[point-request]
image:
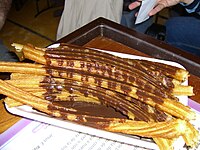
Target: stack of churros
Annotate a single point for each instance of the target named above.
(70, 82)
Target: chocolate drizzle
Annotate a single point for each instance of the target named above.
(109, 99)
(86, 108)
(121, 84)
(96, 63)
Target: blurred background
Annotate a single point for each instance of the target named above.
(32, 21)
(36, 22)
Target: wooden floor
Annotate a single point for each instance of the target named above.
(23, 26)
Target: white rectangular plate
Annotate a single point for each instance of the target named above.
(28, 112)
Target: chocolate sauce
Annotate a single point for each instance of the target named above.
(106, 71)
(145, 97)
(92, 68)
(90, 55)
(116, 100)
(86, 108)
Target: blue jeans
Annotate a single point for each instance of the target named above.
(128, 20)
(184, 33)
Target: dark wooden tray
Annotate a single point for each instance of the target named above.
(141, 42)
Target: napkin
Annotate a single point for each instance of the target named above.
(145, 8)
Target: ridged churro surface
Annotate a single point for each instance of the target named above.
(104, 91)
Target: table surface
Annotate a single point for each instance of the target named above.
(7, 119)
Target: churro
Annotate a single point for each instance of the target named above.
(65, 79)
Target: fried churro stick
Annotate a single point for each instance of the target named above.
(191, 133)
(164, 144)
(172, 71)
(28, 48)
(34, 101)
(30, 52)
(64, 96)
(19, 67)
(176, 127)
(167, 105)
(11, 102)
(142, 68)
(100, 65)
(79, 52)
(89, 55)
(162, 132)
(58, 91)
(60, 95)
(183, 74)
(183, 90)
(111, 98)
(174, 108)
(27, 79)
(170, 106)
(172, 129)
(21, 76)
(135, 80)
(22, 96)
(155, 128)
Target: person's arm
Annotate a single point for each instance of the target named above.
(160, 5)
(4, 8)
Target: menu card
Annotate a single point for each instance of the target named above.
(33, 135)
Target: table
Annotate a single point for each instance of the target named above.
(104, 34)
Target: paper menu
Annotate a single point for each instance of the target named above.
(145, 8)
(41, 136)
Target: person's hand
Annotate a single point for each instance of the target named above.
(160, 5)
